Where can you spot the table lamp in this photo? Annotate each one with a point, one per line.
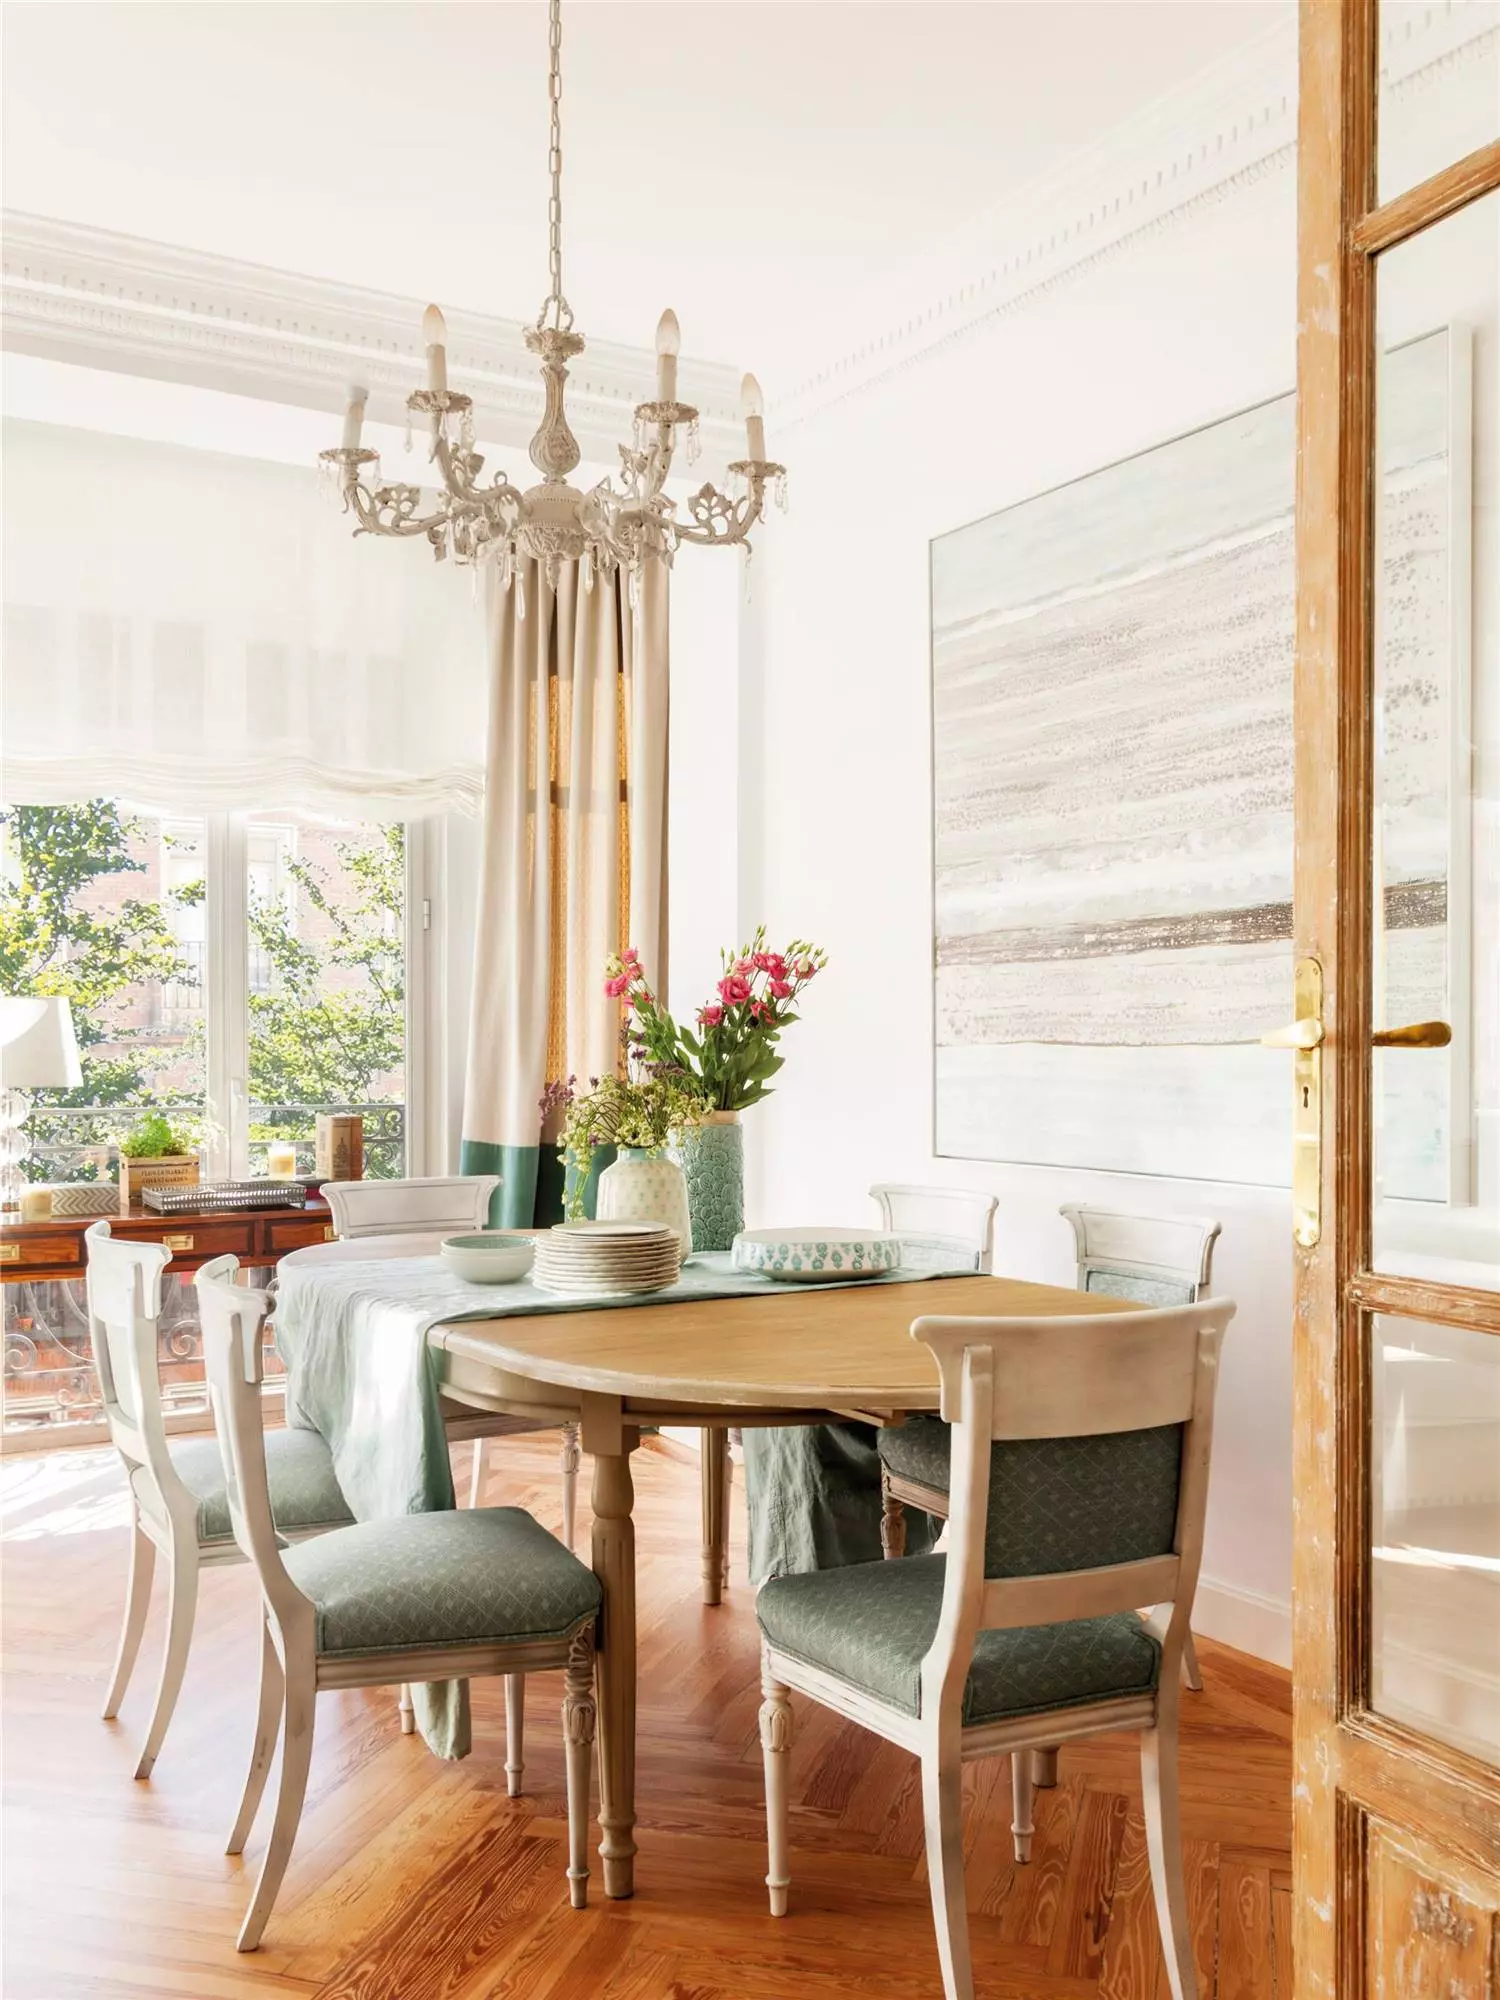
(38, 1051)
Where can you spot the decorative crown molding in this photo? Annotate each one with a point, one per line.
(103, 300)
(1222, 132)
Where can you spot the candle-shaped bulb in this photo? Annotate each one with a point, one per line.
(668, 341)
(435, 332)
(354, 417)
(752, 404)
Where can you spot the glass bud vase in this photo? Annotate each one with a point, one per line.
(645, 1187)
(713, 1160)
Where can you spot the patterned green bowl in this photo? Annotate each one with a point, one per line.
(816, 1256)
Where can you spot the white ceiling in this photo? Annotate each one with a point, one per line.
(768, 167)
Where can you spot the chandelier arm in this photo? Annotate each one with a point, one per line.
(717, 521)
(468, 493)
(394, 514)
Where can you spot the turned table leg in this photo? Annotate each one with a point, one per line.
(614, 1565)
(714, 1455)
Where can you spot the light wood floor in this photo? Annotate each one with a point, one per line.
(417, 1880)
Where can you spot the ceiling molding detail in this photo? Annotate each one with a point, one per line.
(103, 300)
(1225, 132)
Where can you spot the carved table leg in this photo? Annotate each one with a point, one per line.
(614, 1565)
(892, 1522)
(713, 1452)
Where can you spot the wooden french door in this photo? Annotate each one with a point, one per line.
(1397, 1032)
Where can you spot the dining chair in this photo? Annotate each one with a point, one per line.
(450, 1203)
(1162, 1260)
(1080, 1478)
(178, 1502)
(443, 1596)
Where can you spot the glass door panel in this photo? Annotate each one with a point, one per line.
(1435, 1528)
(1439, 87)
(1435, 916)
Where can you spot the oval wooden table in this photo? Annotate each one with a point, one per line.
(787, 1358)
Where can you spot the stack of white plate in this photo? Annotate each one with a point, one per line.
(606, 1260)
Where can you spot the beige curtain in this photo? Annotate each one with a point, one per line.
(574, 859)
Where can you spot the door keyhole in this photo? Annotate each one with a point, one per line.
(1306, 1097)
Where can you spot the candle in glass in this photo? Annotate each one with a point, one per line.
(752, 404)
(281, 1160)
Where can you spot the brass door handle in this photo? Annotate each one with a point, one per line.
(177, 1243)
(1416, 1035)
(1306, 1033)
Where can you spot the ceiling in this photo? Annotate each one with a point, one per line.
(767, 167)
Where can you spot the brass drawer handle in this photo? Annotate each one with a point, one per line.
(177, 1243)
(1418, 1035)
(330, 1234)
(10, 1253)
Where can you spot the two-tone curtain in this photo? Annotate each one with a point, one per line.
(574, 858)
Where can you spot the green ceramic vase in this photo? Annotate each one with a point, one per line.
(712, 1158)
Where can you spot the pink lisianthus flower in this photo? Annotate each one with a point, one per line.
(710, 1017)
(744, 967)
(772, 962)
(781, 988)
(804, 968)
(617, 986)
(734, 989)
(630, 956)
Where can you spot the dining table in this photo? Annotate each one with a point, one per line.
(808, 1354)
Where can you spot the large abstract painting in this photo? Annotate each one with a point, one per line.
(1112, 796)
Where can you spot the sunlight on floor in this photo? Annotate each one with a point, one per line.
(62, 1493)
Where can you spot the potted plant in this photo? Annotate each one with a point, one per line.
(154, 1154)
(729, 1061)
(636, 1115)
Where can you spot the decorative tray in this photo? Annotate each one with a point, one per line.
(224, 1195)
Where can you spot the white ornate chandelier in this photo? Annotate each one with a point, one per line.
(554, 522)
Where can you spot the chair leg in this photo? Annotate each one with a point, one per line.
(942, 1811)
(892, 1521)
(515, 1733)
(776, 1747)
(570, 1457)
(408, 1713)
(296, 1756)
(137, 1603)
(1164, 1849)
(1191, 1676)
(182, 1604)
(579, 1716)
(267, 1723)
(476, 1476)
(731, 1438)
(1022, 1785)
(1044, 1769)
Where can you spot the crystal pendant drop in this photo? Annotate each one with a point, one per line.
(781, 499)
(466, 430)
(587, 566)
(408, 431)
(520, 594)
(694, 442)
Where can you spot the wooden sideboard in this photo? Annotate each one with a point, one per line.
(42, 1251)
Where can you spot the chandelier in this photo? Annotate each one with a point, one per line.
(604, 529)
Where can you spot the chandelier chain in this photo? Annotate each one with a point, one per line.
(562, 312)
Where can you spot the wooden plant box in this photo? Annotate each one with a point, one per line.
(167, 1170)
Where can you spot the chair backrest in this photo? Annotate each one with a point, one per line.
(1162, 1260)
(233, 1318)
(939, 1225)
(410, 1208)
(1079, 1472)
(123, 1282)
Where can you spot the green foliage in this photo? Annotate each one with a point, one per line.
(153, 1139)
(619, 1111)
(52, 942)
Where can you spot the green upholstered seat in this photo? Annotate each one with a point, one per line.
(872, 1624)
(445, 1579)
(918, 1449)
(299, 1471)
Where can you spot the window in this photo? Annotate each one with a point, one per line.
(238, 972)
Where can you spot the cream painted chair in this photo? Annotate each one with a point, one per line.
(447, 1205)
(178, 1501)
(1162, 1260)
(444, 1596)
(1080, 1477)
(939, 1227)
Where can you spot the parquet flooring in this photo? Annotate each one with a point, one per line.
(418, 1880)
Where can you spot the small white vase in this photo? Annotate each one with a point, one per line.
(643, 1188)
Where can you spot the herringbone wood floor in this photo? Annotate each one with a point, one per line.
(417, 1880)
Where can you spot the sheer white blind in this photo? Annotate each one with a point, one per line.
(191, 630)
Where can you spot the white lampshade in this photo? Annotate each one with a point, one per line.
(38, 1049)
